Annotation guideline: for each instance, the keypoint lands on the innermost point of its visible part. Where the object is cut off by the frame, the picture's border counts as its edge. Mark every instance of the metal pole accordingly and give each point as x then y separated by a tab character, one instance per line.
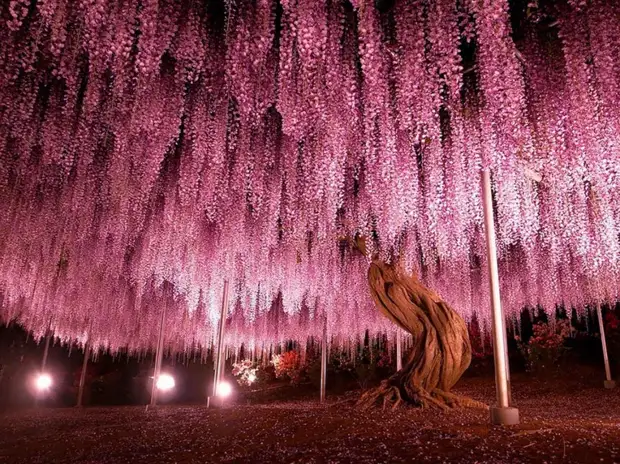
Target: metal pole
503	413
83	374
399	349
159	354
220	342
324	360
509	389
46	350
48	336
609	383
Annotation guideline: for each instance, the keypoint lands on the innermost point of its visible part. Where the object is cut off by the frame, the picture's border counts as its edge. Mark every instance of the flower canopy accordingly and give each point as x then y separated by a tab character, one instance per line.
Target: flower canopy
151	149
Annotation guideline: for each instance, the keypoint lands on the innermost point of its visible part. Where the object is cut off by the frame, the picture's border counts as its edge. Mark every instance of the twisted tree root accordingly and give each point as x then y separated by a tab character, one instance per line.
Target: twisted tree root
390	396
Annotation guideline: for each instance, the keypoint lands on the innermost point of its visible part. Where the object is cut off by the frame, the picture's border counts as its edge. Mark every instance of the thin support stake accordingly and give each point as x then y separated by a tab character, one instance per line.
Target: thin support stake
159	354
498	323
399	349
324	361
46	350
220	342
603	342
83	374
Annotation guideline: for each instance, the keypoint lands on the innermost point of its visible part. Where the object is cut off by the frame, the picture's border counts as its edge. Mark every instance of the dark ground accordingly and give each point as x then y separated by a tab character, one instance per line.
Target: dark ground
570	419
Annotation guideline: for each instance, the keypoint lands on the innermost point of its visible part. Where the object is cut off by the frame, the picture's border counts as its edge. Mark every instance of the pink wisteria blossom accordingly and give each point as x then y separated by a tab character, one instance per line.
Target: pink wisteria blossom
151	149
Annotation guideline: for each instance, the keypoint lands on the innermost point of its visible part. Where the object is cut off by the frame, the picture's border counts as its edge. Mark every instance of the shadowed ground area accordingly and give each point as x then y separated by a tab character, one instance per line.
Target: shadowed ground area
561	423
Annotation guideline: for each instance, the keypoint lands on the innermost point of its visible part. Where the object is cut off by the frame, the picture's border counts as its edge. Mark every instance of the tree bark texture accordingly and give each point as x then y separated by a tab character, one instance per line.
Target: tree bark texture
441	349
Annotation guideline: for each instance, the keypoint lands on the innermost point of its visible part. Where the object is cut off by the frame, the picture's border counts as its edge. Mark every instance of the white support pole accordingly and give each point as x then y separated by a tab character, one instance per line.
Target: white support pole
324	360
220	344
48	336
83	374
399	349
609	383
502	414
46	350
159	354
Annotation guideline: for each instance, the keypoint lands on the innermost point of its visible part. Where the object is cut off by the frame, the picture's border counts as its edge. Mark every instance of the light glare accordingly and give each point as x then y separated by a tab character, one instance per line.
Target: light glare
43	381
224	389
165	382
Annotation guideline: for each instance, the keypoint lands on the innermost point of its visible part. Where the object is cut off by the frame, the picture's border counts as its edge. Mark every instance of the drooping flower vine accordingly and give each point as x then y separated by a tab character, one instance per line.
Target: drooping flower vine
151	149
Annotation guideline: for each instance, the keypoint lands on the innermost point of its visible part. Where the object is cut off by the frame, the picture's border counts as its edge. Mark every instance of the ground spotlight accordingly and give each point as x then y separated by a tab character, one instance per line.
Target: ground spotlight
165	382
224	389
43	381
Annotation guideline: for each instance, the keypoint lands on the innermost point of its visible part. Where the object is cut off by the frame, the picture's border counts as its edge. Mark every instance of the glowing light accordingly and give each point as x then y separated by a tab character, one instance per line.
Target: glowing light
43	381
165	382
224	389
251	377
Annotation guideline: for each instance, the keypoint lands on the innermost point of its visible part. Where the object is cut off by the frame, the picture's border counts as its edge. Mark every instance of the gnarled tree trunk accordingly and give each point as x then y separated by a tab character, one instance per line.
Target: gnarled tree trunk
441	351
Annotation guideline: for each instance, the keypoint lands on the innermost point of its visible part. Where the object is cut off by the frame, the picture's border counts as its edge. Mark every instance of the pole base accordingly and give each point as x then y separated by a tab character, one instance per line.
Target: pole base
215	402
504	416
609	384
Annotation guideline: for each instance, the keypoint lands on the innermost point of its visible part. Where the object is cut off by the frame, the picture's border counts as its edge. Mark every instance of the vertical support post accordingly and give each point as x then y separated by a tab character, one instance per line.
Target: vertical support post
48	336
399	349
220	343
507	367
83	374
609	383
324	360
46	350
159	354
502	414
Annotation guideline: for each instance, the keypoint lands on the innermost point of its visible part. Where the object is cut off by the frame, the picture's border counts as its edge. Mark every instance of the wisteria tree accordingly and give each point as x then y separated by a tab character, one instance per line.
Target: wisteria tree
441	350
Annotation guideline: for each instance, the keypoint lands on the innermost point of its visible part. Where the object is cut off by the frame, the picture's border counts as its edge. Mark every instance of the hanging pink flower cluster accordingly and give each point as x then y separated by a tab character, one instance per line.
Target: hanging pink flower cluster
152	149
